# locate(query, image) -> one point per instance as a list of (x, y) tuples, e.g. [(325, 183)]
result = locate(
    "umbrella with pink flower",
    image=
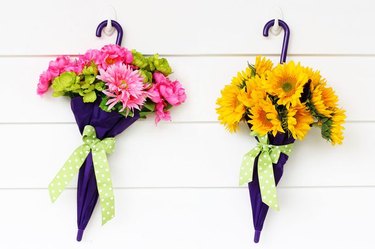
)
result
[(110, 89)]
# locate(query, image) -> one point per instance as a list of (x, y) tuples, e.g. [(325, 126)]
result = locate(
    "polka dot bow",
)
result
[(268, 155), (99, 149)]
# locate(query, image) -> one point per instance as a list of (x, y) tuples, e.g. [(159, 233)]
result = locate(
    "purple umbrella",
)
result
[(107, 124), (259, 208)]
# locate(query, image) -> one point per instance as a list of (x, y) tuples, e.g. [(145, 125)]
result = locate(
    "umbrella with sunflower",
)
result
[(280, 104), (110, 89)]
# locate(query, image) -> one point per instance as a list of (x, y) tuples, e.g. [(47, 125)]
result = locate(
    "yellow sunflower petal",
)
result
[(286, 82), (253, 92), (242, 77), (314, 77), (230, 109), (262, 65), (264, 118), (299, 120), (324, 100), (337, 128)]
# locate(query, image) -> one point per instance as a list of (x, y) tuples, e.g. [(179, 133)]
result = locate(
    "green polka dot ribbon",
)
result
[(99, 149), (268, 155)]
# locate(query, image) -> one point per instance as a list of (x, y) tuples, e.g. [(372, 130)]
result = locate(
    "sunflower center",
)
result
[(287, 86), (265, 120)]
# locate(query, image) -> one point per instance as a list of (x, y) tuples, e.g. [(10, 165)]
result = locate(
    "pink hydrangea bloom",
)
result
[(113, 54), (125, 85), (161, 113), (171, 91), (55, 68)]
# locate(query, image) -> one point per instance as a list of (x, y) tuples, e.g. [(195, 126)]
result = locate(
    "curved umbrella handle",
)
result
[(115, 24), (286, 36)]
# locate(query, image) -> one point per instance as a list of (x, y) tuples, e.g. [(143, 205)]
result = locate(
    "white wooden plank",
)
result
[(203, 78), (192, 218), (175, 27), (183, 155)]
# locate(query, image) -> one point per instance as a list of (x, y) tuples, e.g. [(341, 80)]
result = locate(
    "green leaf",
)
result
[(253, 71), (326, 129), (144, 114), (126, 112), (169, 106), (99, 86), (149, 105), (103, 104), (89, 97)]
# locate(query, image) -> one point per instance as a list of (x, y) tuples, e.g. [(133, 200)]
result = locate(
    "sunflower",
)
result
[(314, 77), (242, 77), (265, 118), (262, 65), (324, 100), (299, 120), (230, 109), (253, 92), (286, 82), (337, 128)]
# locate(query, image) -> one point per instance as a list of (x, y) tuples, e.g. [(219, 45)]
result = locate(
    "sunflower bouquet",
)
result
[(280, 104), (110, 89)]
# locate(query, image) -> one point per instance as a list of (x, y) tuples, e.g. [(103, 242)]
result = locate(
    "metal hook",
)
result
[(116, 25), (284, 50)]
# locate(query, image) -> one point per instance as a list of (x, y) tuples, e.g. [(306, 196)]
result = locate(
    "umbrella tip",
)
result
[(256, 236), (80, 234)]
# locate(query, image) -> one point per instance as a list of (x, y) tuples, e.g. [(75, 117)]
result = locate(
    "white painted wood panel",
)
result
[(188, 27), (203, 77), (184, 155), (310, 218), (184, 193)]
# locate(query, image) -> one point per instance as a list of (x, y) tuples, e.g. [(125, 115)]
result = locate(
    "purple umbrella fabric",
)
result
[(258, 207), (107, 124)]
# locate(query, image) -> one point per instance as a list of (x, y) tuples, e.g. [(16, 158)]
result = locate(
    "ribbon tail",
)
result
[(67, 172), (267, 181), (247, 167), (104, 182)]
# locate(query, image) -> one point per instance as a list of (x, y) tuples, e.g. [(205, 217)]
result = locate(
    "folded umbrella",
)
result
[(107, 124), (259, 208)]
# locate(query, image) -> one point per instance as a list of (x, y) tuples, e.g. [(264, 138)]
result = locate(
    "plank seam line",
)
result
[(149, 121), (202, 188), (206, 55)]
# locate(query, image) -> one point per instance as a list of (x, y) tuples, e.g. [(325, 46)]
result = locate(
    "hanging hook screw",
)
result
[(276, 29), (109, 30)]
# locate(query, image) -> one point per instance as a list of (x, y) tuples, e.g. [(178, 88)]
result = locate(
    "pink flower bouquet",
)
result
[(110, 89)]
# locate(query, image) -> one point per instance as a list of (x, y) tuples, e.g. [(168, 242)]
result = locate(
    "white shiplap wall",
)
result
[(187, 197)]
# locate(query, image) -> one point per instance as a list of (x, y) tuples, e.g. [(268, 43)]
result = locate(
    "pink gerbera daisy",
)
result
[(125, 85)]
